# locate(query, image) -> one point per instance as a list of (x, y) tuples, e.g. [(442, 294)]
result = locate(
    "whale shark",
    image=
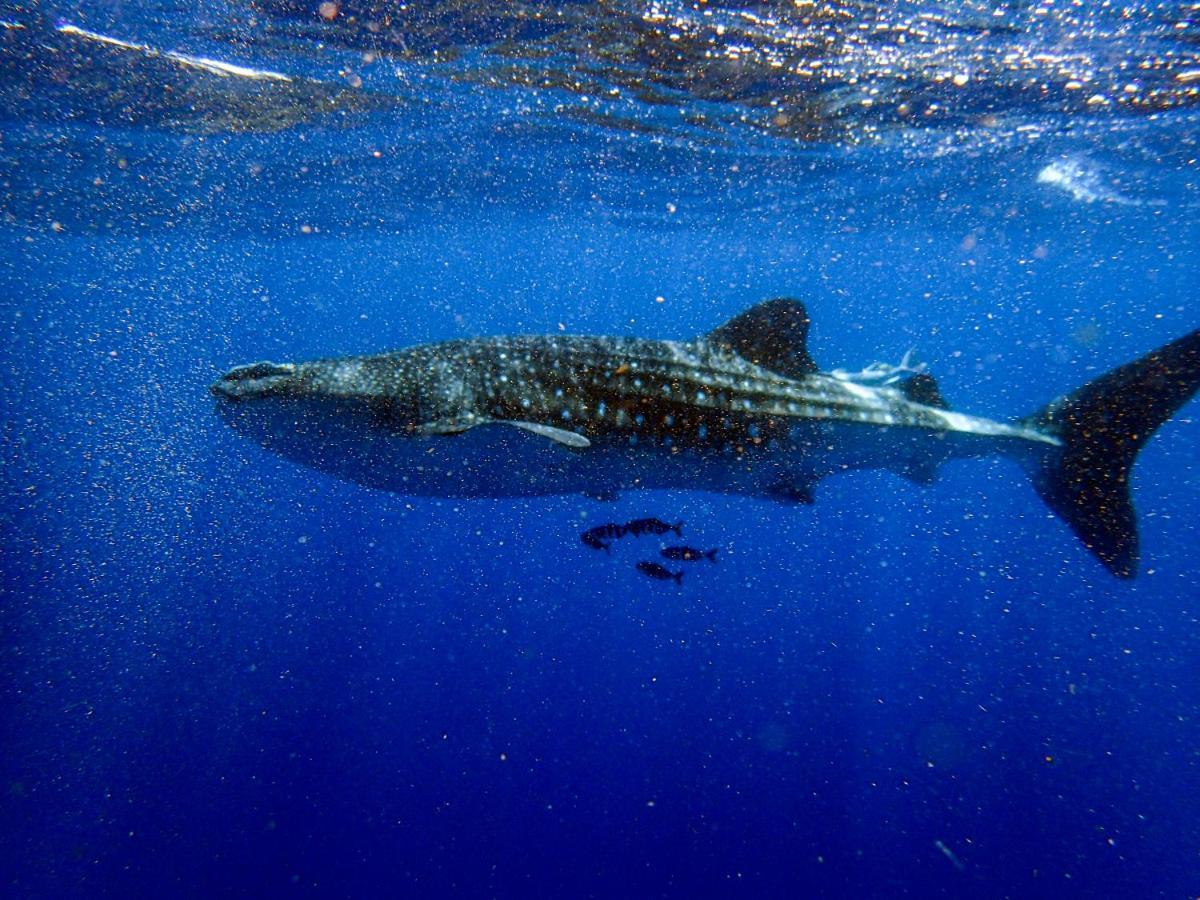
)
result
[(742, 409)]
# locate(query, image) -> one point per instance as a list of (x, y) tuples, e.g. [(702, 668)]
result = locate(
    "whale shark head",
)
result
[(387, 389), (327, 414), (255, 382), (265, 402), (403, 421)]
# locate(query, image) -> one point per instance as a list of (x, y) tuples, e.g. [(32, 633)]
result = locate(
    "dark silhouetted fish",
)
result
[(594, 542), (654, 570), (600, 537), (689, 554), (638, 527), (741, 409)]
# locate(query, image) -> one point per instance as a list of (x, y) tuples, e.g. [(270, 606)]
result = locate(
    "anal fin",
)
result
[(923, 473)]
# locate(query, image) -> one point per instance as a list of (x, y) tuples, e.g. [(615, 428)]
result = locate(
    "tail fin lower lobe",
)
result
[(1103, 425)]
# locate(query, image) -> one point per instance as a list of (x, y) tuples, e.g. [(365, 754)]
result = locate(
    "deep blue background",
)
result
[(223, 674)]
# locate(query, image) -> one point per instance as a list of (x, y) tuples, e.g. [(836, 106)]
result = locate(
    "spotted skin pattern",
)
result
[(664, 392), (608, 414), (742, 409)]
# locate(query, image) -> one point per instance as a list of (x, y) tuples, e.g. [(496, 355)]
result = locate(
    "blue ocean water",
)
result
[(222, 674)]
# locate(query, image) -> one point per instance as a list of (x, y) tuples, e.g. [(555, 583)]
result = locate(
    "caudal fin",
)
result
[(1103, 425)]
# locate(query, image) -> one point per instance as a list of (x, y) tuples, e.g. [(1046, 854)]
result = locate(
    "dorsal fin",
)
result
[(773, 334), (923, 388)]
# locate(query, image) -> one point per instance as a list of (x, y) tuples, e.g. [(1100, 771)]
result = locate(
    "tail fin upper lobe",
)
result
[(1103, 425)]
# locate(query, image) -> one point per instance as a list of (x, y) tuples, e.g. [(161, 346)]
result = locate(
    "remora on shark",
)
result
[(742, 409)]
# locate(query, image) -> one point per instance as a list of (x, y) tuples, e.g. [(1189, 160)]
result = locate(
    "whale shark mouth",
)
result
[(256, 380)]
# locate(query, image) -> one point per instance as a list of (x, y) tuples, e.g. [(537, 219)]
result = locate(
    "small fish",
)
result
[(638, 527), (654, 570), (600, 537), (689, 554), (597, 537), (594, 542)]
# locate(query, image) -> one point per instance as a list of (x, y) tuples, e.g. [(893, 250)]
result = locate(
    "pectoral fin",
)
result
[(571, 439)]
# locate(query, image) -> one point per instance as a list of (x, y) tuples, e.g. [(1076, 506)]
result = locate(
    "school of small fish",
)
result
[(601, 537)]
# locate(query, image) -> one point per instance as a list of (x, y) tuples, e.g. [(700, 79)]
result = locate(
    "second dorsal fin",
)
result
[(923, 388), (773, 334)]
